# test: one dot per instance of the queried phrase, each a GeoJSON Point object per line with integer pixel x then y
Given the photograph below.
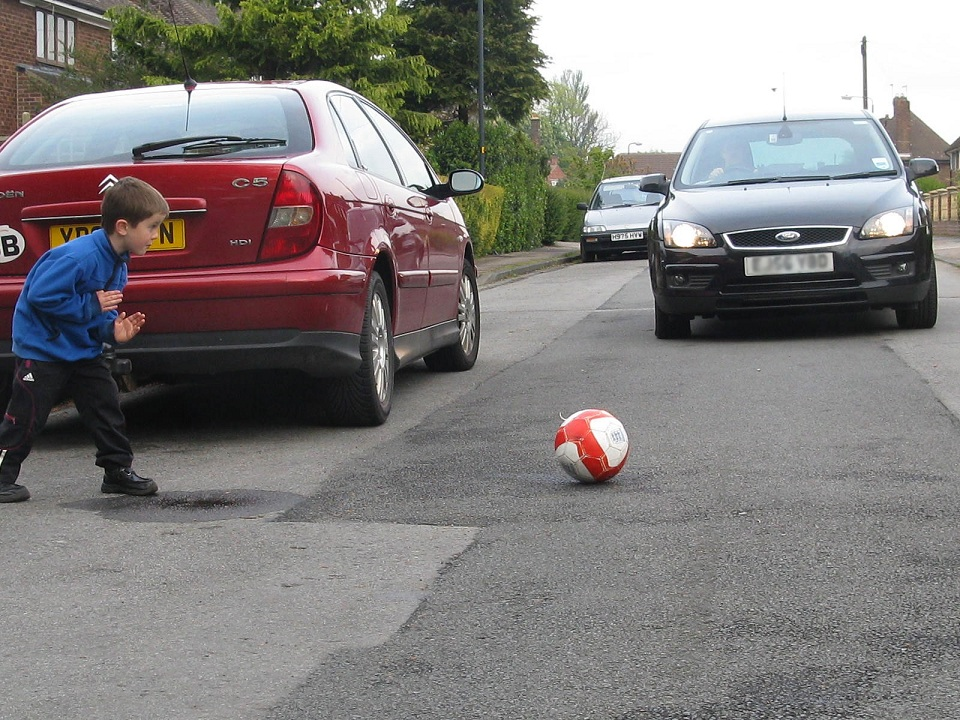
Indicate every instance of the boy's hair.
{"type": "Point", "coordinates": [132, 200]}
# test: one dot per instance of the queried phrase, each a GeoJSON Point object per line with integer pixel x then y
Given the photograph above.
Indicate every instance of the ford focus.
{"type": "Point", "coordinates": [793, 214]}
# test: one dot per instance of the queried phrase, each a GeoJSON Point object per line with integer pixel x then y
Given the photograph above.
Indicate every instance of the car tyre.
{"type": "Point", "coordinates": [586, 256]}
{"type": "Point", "coordinates": [365, 398]}
{"type": "Point", "coordinates": [462, 355]}
{"type": "Point", "coordinates": [922, 315]}
{"type": "Point", "coordinates": [668, 326]}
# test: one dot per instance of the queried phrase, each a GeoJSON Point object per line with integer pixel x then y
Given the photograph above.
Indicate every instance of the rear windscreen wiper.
{"type": "Point", "coordinates": [205, 145]}
{"type": "Point", "coordinates": [140, 150]}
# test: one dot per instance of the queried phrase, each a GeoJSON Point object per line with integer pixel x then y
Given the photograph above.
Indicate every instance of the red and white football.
{"type": "Point", "coordinates": [592, 446]}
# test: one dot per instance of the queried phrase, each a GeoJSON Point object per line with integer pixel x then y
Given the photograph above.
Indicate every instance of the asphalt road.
{"type": "Point", "coordinates": [781, 544]}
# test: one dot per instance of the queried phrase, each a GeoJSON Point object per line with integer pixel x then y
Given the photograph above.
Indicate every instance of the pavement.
{"type": "Point", "coordinates": [495, 269]}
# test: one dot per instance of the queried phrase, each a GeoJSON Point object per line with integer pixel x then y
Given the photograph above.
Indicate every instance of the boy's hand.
{"type": "Point", "coordinates": [109, 299]}
{"type": "Point", "coordinates": [126, 327]}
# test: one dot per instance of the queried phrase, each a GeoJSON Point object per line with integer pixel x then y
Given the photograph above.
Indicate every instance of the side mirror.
{"type": "Point", "coordinates": [921, 167]}
{"type": "Point", "coordinates": [460, 182]}
{"type": "Point", "coordinates": [656, 184]}
{"type": "Point", "coordinates": [582, 206]}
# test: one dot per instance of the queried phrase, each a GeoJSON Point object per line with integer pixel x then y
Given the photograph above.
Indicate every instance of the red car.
{"type": "Point", "coordinates": [307, 232]}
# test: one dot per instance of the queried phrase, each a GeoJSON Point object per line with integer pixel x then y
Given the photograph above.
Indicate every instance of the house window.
{"type": "Point", "coordinates": [56, 37]}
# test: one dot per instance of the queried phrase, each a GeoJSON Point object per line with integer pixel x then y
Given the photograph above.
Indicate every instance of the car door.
{"type": "Point", "coordinates": [442, 227]}
{"type": "Point", "coordinates": [405, 216]}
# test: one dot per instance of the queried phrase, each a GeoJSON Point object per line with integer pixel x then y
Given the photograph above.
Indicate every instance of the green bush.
{"type": "Point", "coordinates": [520, 167]}
{"type": "Point", "coordinates": [562, 220]}
{"type": "Point", "coordinates": [929, 184]}
{"type": "Point", "coordinates": [481, 213]}
{"type": "Point", "coordinates": [516, 167]}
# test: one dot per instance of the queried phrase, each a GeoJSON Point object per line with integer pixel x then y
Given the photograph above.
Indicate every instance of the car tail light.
{"type": "Point", "coordinates": [294, 224]}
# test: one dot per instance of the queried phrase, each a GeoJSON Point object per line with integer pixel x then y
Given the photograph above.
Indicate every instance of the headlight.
{"type": "Point", "coordinates": [687, 235]}
{"type": "Point", "coordinates": [889, 224]}
{"type": "Point", "coordinates": [594, 229]}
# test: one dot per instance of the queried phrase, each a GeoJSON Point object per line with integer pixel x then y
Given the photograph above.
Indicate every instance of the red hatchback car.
{"type": "Point", "coordinates": [307, 232]}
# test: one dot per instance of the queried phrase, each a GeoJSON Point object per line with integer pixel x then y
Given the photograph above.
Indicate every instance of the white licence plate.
{"type": "Point", "coordinates": [636, 235]}
{"type": "Point", "coordinates": [787, 264]}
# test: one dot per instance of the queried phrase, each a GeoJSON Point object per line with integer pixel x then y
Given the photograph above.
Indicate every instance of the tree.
{"type": "Point", "coordinates": [445, 32]}
{"type": "Point", "coordinates": [568, 121]}
{"type": "Point", "coordinates": [351, 42]}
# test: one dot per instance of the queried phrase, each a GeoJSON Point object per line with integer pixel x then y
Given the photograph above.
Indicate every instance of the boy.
{"type": "Point", "coordinates": [66, 312]}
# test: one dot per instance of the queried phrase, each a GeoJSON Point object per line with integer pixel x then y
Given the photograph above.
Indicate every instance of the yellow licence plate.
{"type": "Point", "coordinates": [172, 235]}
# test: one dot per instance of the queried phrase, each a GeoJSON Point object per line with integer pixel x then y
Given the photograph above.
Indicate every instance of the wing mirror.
{"type": "Point", "coordinates": [921, 167]}
{"type": "Point", "coordinates": [460, 182]}
{"type": "Point", "coordinates": [656, 184]}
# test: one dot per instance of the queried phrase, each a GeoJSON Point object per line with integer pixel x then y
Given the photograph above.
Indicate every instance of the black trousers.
{"type": "Point", "coordinates": [38, 387]}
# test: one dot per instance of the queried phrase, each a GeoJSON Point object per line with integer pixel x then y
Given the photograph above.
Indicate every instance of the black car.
{"type": "Point", "coordinates": [799, 213]}
{"type": "Point", "coordinates": [617, 217]}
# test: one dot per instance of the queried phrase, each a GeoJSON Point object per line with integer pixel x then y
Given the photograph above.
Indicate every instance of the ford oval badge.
{"type": "Point", "coordinates": [787, 236]}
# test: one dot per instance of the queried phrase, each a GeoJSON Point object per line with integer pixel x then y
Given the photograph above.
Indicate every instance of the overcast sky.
{"type": "Point", "coordinates": [656, 70]}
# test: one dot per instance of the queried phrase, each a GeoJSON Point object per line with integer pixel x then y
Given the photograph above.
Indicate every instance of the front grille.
{"type": "Point", "coordinates": [766, 238]}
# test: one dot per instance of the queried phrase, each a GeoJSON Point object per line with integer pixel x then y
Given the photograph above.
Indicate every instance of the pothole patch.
{"type": "Point", "coordinates": [186, 507]}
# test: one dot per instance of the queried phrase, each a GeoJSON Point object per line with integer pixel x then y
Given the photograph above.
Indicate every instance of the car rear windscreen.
{"type": "Point", "coordinates": [105, 129]}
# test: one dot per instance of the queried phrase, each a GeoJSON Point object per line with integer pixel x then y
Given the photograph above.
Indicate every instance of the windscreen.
{"type": "Point", "coordinates": [105, 129]}
{"type": "Point", "coordinates": [778, 151]}
{"type": "Point", "coordinates": [621, 194]}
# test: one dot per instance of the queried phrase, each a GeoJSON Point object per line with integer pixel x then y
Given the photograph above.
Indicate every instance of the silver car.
{"type": "Point", "coordinates": [617, 217]}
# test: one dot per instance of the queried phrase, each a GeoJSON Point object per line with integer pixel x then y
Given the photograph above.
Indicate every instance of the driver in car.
{"type": "Point", "coordinates": [737, 162]}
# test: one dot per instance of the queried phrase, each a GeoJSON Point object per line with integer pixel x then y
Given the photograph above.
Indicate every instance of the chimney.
{"type": "Point", "coordinates": [535, 129]}
{"type": "Point", "coordinates": [902, 125]}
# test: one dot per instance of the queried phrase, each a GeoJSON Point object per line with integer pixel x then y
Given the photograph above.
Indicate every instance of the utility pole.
{"type": "Point", "coordinates": [483, 139]}
{"type": "Point", "coordinates": [863, 51]}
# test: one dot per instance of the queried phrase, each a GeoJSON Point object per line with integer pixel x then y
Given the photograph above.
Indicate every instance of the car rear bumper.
{"type": "Point", "coordinates": [321, 353]}
{"type": "Point", "coordinates": [225, 320]}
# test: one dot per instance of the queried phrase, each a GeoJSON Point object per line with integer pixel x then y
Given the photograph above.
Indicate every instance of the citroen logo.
{"type": "Point", "coordinates": [787, 236]}
{"type": "Point", "coordinates": [108, 182]}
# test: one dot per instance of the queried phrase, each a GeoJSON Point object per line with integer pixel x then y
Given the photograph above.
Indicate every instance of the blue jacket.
{"type": "Point", "coordinates": [58, 316]}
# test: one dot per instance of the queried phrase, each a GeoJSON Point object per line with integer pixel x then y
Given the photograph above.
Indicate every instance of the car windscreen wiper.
{"type": "Point", "coordinates": [753, 181]}
{"type": "Point", "coordinates": [865, 174]}
{"type": "Point", "coordinates": [780, 179]}
{"type": "Point", "coordinates": [205, 145]}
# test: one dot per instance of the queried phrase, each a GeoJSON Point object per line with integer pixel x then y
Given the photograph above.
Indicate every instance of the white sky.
{"type": "Point", "coordinates": [656, 70]}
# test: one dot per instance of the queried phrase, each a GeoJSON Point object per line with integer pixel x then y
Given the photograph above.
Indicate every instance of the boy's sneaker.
{"type": "Point", "coordinates": [11, 492]}
{"type": "Point", "coordinates": [126, 481]}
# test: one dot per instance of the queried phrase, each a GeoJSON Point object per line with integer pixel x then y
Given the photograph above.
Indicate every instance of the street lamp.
{"type": "Point", "coordinates": [480, 90]}
{"type": "Point", "coordinates": [851, 97]}
{"type": "Point", "coordinates": [630, 144]}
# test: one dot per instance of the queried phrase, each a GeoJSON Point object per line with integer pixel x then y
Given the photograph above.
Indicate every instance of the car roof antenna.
{"type": "Point", "coordinates": [189, 83]}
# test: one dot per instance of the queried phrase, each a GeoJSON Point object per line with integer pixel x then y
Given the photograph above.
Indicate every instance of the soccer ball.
{"type": "Point", "coordinates": [592, 446]}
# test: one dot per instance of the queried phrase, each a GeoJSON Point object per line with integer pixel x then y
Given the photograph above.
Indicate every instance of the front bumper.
{"type": "Point", "coordinates": [869, 275]}
{"type": "Point", "coordinates": [604, 244]}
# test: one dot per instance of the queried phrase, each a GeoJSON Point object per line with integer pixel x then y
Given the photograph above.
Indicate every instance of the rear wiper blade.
{"type": "Point", "coordinates": [222, 146]}
{"type": "Point", "coordinates": [206, 145]}
{"type": "Point", "coordinates": [140, 150]}
{"type": "Point", "coordinates": [865, 174]}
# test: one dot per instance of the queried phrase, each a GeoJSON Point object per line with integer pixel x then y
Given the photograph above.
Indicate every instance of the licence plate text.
{"type": "Point", "coordinates": [635, 235]}
{"type": "Point", "coordinates": [787, 264]}
{"type": "Point", "coordinates": [172, 235]}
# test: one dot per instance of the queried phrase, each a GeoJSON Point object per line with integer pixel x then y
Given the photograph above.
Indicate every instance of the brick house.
{"type": "Point", "coordinates": [914, 138]}
{"type": "Point", "coordinates": [42, 37]}
{"type": "Point", "coordinates": [953, 154]}
{"type": "Point", "coordinates": [643, 164]}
